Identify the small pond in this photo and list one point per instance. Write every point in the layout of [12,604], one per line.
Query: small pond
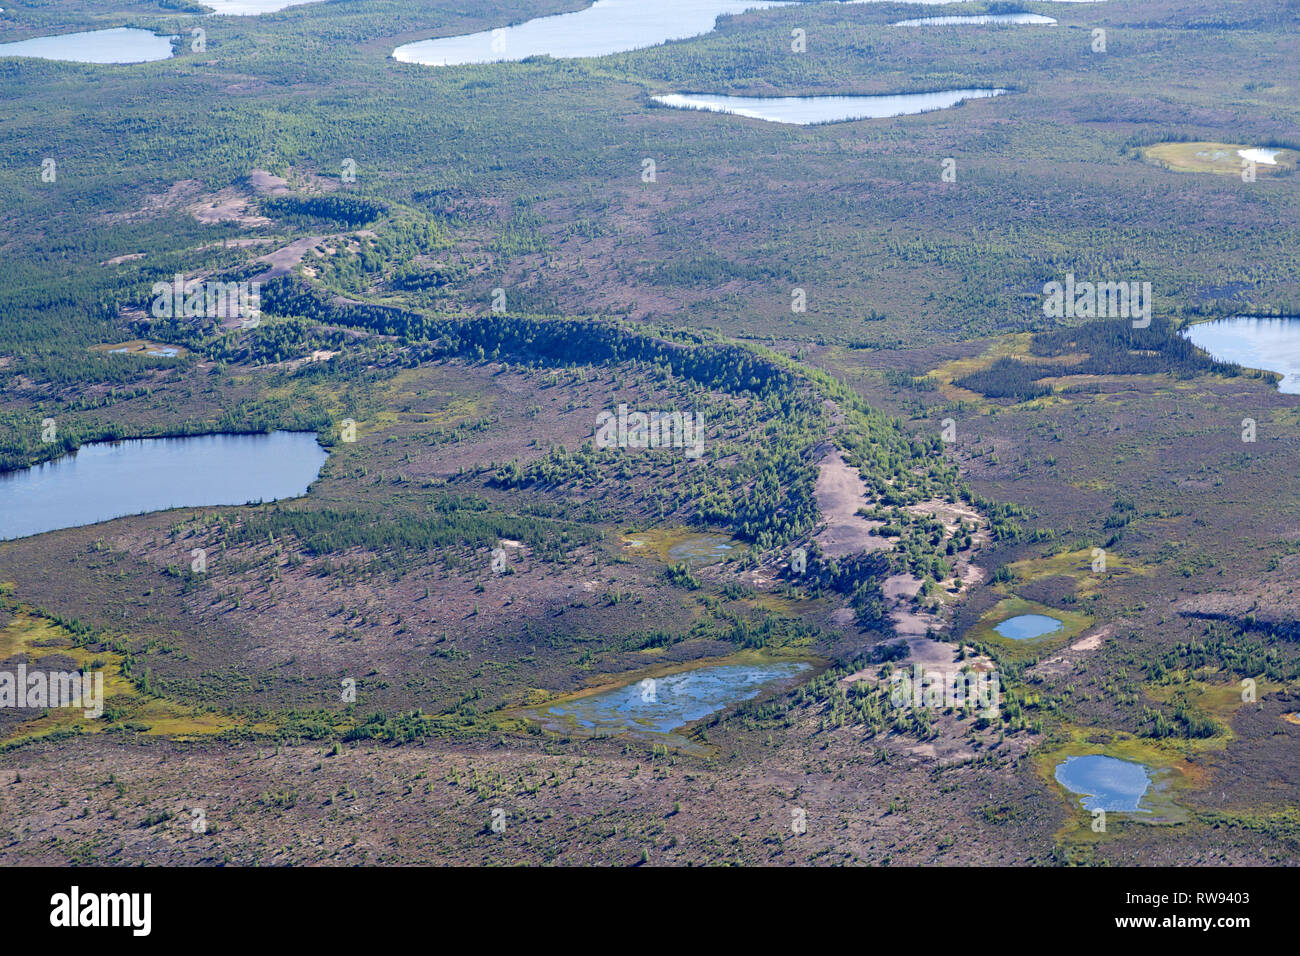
[1105,783]
[1023,627]
[663,704]
[701,549]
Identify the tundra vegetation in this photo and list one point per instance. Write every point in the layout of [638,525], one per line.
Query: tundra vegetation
[461,268]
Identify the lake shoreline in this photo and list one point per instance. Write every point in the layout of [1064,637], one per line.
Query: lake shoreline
[1268,346]
[107,480]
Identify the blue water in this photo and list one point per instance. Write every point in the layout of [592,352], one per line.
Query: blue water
[701,548]
[160,352]
[807,110]
[119,45]
[1252,342]
[667,703]
[111,479]
[607,26]
[1024,626]
[1105,783]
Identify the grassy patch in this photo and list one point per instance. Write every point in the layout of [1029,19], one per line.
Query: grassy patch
[1006,347]
[1167,758]
[661,541]
[1076,565]
[39,641]
[1217,702]
[1170,771]
[1205,157]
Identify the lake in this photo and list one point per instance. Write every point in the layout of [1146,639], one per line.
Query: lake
[975,20]
[107,480]
[1105,783]
[1022,627]
[807,110]
[1272,344]
[607,26]
[119,45]
[663,704]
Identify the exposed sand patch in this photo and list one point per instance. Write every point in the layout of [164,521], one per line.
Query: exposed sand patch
[1091,642]
[187,190]
[940,657]
[231,204]
[899,590]
[319,355]
[952,514]
[228,205]
[268,184]
[118,260]
[1061,664]
[944,751]
[283,260]
[898,587]
[834,410]
[301,181]
[911,624]
[1052,667]
[840,493]
[937,656]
